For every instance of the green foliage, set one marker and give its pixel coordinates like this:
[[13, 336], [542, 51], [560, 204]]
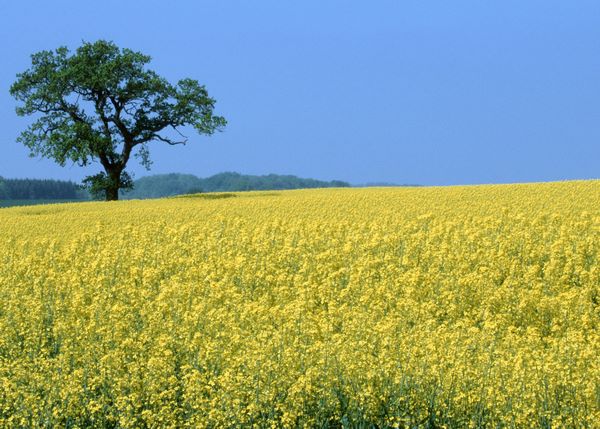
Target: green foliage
[[36, 189], [100, 184], [102, 104], [165, 185], [229, 182], [3, 190]]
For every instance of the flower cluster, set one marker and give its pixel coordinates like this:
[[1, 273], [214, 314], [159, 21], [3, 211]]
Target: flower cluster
[[394, 307]]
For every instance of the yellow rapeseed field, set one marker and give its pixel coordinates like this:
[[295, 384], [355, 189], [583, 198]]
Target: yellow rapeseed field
[[404, 307]]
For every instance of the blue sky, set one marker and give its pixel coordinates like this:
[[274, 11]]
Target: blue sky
[[428, 92]]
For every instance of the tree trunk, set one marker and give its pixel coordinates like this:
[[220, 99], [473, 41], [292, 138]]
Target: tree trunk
[[112, 193], [114, 184]]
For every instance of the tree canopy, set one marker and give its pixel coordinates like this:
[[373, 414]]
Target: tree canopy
[[101, 104]]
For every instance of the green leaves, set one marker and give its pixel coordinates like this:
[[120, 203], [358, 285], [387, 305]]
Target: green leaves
[[98, 184], [100, 102], [195, 106]]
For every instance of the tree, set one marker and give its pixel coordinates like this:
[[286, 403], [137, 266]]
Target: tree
[[3, 190], [102, 104]]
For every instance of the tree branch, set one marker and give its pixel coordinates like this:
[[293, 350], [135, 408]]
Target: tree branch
[[168, 140], [116, 119]]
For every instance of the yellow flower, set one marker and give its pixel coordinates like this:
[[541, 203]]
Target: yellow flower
[[396, 307]]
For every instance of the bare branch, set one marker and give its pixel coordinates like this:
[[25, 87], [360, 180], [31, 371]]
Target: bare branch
[[179, 132], [168, 140]]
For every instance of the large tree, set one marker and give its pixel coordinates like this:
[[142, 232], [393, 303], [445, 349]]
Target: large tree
[[101, 103]]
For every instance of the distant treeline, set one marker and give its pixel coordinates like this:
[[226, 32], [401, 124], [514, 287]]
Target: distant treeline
[[160, 185], [164, 185], [384, 185], [35, 189]]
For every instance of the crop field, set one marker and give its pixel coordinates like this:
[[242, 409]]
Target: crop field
[[432, 307]]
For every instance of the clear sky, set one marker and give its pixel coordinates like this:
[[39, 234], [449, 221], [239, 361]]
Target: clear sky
[[429, 92]]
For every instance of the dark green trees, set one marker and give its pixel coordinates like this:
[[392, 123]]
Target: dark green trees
[[40, 189], [3, 189], [102, 104]]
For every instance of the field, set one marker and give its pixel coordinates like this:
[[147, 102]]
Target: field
[[403, 307]]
